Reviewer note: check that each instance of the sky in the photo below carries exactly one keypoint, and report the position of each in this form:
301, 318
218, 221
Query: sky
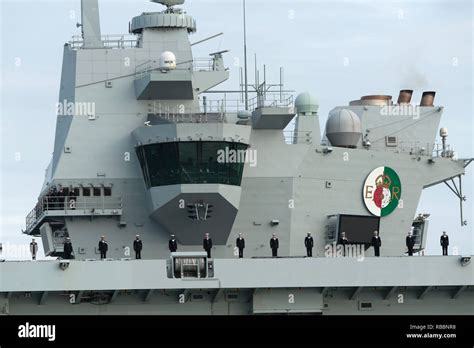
336, 50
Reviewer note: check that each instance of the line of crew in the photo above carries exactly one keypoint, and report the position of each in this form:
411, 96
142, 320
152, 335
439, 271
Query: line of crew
207, 245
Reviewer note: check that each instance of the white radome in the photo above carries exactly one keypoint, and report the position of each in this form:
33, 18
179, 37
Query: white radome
167, 61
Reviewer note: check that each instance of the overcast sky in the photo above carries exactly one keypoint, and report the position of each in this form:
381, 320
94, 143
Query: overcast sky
337, 50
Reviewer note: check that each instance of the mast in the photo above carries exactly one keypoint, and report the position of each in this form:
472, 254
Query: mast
245, 61
90, 24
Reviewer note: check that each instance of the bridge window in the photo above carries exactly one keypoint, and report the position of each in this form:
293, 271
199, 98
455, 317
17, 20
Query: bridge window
96, 191
192, 163
107, 191
86, 191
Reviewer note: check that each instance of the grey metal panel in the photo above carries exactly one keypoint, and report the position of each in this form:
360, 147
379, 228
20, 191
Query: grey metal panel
173, 85
166, 303
66, 93
176, 219
205, 80
287, 301
243, 273
47, 238
192, 132
272, 117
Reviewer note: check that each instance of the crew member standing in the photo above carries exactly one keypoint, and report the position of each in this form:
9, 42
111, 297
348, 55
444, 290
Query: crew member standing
33, 249
68, 249
240, 243
274, 245
207, 244
343, 241
309, 244
444, 240
376, 243
172, 244
103, 247
410, 242
138, 246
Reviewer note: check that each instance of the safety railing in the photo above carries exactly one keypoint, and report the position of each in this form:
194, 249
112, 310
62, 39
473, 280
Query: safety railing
271, 100
203, 64
215, 110
423, 149
197, 64
416, 148
109, 41
298, 137
70, 205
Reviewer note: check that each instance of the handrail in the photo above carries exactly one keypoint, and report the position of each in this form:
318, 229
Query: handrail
66, 204
110, 41
208, 109
434, 150
197, 64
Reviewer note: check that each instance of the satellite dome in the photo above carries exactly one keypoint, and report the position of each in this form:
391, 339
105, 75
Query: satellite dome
244, 115
306, 103
169, 3
167, 61
343, 128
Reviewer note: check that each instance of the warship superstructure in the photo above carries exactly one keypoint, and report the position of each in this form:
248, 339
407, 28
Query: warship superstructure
144, 148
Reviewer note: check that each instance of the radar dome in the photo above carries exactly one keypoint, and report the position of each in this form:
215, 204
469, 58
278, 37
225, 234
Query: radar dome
169, 3
343, 128
167, 61
244, 115
306, 103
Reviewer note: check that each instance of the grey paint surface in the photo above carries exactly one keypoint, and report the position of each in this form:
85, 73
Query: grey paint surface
240, 273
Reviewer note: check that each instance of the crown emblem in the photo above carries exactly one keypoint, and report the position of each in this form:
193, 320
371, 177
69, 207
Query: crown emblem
383, 181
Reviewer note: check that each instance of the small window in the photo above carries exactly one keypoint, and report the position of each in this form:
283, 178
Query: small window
74, 192
96, 191
365, 306
107, 191
391, 141
197, 297
86, 191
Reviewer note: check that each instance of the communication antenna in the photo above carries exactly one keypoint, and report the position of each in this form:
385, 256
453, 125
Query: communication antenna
245, 61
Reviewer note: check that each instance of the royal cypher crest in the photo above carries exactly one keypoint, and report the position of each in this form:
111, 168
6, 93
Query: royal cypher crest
382, 191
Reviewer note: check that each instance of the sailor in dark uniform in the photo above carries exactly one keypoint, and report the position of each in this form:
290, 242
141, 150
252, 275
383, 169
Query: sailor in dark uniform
376, 243
309, 244
444, 241
240, 243
207, 244
410, 242
138, 246
172, 244
103, 247
274, 245
68, 249
33, 249
343, 241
